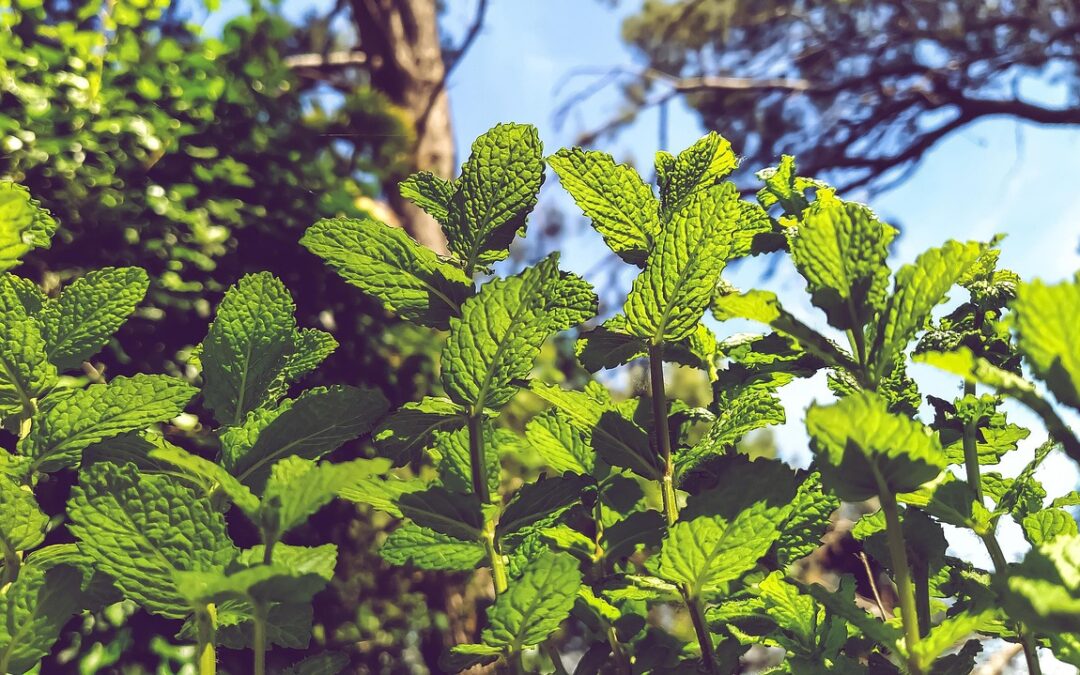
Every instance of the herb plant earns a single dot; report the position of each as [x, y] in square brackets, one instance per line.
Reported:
[650, 543]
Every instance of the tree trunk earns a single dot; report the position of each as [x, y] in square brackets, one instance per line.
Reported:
[405, 62]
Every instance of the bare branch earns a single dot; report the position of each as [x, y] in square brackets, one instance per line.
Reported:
[328, 61]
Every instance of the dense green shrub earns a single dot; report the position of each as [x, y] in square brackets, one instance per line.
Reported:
[645, 503]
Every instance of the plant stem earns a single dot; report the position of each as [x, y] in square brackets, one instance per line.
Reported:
[667, 488]
[1027, 639]
[971, 451]
[499, 577]
[898, 553]
[660, 428]
[12, 563]
[206, 625]
[697, 616]
[920, 574]
[258, 639]
[618, 655]
[556, 659]
[476, 457]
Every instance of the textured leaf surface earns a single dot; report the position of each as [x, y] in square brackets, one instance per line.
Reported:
[141, 529]
[25, 371]
[408, 278]
[446, 512]
[540, 501]
[535, 605]
[621, 206]
[501, 330]
[857, 437]
[706, 552]
[209, 476]
[86, 416]
[698, 167]
[247, 346]
[670, 295]
[497, 189]
[33, 610]
[80, 322]
[429, 192]
[24, 225]
[430, 550]
[1043, 526]
[22, 523]
[452, 455]
[840, 248]
[410, 429]
[562, 446]
[315, 424]
[298, 487]
[919, 288]
[1044, 589]
[1048, 330]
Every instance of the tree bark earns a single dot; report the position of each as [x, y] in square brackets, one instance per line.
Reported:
[405, 62]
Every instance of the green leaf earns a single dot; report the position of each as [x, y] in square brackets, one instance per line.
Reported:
[535, 605]
[707, 552]
[810, 516]
[453, 458]
[80, 322]
[616, 439]
[208, 475]
[794, 613]
[747, 410]
[639, 529]
[501, 329]
[22, 522]
[313, 425]
[668, 298]
[430, 193]
[1043, 526]
[247, 346]
[326, 663]
[86, 416]
[540, 502]
[311, 347]
[410, 429]
[496, 192]
[408, 278]
[1044, 589]
[24, 225]
[25, 371]
[561, 445]
[141, 529]
[621, 206]
[784, 187]
[840, 248]
[298, 487]
[841, 602]
[446, 512]
[699, 167]
[1046, 319]
[862, 448]
[381, 494]
[33, 610]
[611, 344]
[919, 288]
[946, 634]
[427, 549]
[319, 560]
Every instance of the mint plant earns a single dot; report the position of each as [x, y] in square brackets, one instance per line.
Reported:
[650, 542]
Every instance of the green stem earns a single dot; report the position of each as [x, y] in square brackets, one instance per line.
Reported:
[701, 629]
[476, 457]
[556, 660]
[971, 451]
[660, 429]
[258, 639]
[206, 620]
[920, 574]
[499, 576]
[618, 654]
[12, 564]
[1027, 638]
[898, 552]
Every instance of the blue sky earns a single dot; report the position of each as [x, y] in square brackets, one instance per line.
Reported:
[996, 176]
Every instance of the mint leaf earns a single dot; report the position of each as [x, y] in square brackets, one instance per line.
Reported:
[410, 429]
[313, 425]
[699, 167]
[22, 522]
[247, 346]
[25, 371]
[670, 295]
[80, 322]
[561, 445]
[621, 206]
[501, 329]
[141, 529]
[427, 549]
[746, 410]
[858, 443]
[385, 262]
[207, 475]
[1043, 590]
[840, 249]
[382, 494]
[86, 416]
[1046, 319]
[540, 502]
[298, 487]
[535, 605]
[1043, 526]
[33, 610]
[616, 439]
[24, 225]
[311, 347]
[430, 193]
[919, 288]
[497, 190]
[452, 456]
[449, 513]
[326, 663]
